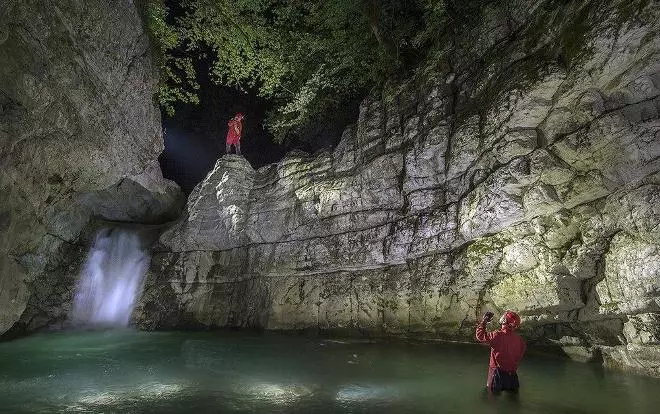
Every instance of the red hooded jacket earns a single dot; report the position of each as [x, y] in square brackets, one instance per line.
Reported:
[506, 347]
[234, 132]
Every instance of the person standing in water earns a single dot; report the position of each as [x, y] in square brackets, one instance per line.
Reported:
[506, 351]
[234, 133]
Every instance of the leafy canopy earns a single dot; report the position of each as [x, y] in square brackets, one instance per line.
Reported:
[306, 57]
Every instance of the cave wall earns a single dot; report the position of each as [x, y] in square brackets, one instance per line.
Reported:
[519, 168]
[79, 140]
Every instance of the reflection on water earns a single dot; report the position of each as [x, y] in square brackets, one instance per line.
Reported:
[133, 372]
[355, 393]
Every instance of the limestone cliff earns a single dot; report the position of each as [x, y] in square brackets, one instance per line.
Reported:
[519, 169]
[79, 139]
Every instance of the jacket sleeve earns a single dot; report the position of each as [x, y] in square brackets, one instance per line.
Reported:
[482, 333]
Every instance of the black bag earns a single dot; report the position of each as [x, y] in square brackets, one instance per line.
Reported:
[504, 381]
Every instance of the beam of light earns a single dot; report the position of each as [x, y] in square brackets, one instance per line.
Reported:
[188, 157]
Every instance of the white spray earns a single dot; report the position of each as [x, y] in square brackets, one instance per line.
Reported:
[111, 280]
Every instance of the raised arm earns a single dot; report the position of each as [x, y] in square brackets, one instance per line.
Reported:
[481, 333]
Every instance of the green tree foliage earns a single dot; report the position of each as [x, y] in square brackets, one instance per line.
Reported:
[306, 57]
[177, 75]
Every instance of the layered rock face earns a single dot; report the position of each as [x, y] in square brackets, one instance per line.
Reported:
[79, 139]
[520, 170]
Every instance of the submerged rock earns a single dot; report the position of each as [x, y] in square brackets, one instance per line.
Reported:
[520, 181]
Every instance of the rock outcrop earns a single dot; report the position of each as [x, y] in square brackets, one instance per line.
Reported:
[520, 169]
[79, 139]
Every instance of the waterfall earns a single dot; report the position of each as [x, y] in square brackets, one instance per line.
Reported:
[111, 280]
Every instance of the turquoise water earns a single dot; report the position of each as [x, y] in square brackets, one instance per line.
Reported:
[176, 372]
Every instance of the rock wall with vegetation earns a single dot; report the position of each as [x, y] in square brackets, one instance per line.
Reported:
[519, 168]
[79, 139]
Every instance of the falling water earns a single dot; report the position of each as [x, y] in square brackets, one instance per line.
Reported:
[111, 280]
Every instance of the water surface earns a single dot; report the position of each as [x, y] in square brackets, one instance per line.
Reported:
[176, 372]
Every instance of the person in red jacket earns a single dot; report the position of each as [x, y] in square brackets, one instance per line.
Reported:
[234, 133]
[506, 351]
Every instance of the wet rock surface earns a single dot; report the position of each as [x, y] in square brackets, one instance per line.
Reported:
[523, 173]
[79, 139]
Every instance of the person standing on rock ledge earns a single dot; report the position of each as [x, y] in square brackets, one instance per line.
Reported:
[506, 351]
[234, 133]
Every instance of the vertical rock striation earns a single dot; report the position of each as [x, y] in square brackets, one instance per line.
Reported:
[79, 139]
[519, 169]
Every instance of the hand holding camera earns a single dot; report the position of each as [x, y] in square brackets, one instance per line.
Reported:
[488, 316]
